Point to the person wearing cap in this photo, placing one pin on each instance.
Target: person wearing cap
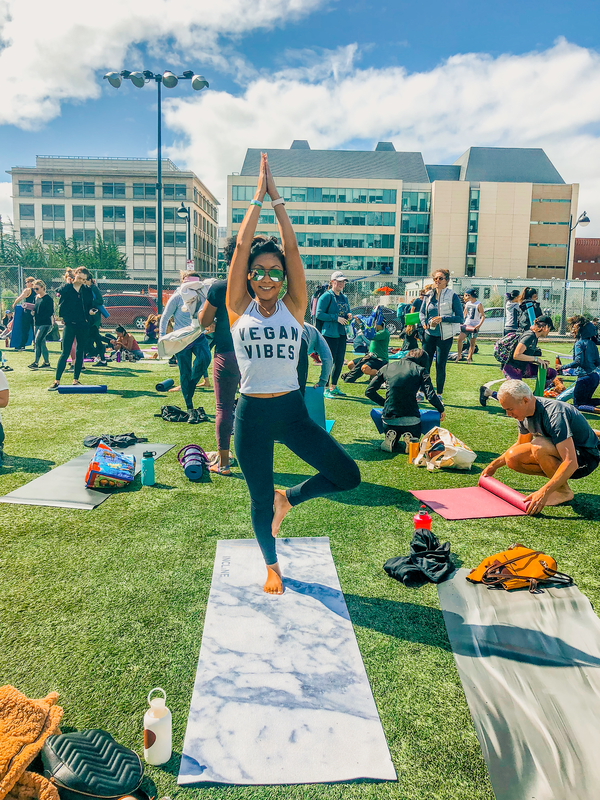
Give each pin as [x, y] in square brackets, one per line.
[333, 310]
[526, 358]
[474, 317]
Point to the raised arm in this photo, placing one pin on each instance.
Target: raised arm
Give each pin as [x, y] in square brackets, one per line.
[296, 297]
[237, 298]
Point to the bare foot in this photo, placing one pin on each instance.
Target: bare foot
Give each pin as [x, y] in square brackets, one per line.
[205, 384]
[175, 389]
[563, 496]
[282, 506]
[273, 584]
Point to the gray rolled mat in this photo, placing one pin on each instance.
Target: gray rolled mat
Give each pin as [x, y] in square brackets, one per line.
[530, 668]
[64, 486]
[281, 694]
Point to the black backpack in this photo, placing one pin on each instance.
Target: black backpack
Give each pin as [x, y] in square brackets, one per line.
[173, 414]
[113, 440]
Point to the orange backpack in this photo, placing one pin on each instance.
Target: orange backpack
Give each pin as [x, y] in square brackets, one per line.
[518, 567]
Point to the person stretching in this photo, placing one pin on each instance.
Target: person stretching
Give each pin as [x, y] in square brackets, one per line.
[555, 440]
[585, 363]
[376, 358]
[404, 378]
[267, 334]
[43, 317]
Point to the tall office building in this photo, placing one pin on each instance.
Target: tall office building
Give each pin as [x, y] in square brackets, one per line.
[71, 196]
[500, 212]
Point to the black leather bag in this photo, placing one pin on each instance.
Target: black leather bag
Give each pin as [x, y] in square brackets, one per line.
[91, 764]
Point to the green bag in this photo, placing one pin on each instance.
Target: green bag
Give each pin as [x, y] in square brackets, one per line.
[412, 319]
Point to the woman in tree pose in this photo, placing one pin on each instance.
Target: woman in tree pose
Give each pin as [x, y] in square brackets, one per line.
[267, 335]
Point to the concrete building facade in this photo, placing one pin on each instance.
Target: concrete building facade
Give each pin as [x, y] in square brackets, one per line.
[495, 212]
[586, 263]
[76, 197]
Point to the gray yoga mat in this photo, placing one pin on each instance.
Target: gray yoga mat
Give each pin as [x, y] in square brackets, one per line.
[530, 668]
[64, 486]
[281, 694]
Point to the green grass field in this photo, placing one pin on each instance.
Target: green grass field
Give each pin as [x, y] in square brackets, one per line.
[103, 605]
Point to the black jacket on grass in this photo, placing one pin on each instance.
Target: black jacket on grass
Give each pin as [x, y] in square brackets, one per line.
[404, 379]
[74, 306]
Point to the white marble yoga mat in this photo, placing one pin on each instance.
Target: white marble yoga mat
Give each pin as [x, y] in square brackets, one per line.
[281, 693]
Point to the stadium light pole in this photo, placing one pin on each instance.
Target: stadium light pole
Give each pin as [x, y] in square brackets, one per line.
[582, 220]
[169, 80]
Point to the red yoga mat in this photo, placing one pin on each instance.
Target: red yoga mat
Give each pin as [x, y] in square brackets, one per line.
[490, 498]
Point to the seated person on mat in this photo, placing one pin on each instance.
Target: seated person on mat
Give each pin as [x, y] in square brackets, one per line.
[3, 403]
[586, 361]
[126, 343]
[411, 338]
[313, 342]
[404, 379]
[525, 360]
[151, 329]
[555, 440]
[360, 343]
[376, 358]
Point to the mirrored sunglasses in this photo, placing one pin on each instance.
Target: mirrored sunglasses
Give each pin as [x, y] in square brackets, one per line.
[259, 273]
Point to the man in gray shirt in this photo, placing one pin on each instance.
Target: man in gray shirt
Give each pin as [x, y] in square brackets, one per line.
[555, 440]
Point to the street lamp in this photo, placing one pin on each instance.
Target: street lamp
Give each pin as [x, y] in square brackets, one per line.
[582, 220]
[169, 80]
[185, 213]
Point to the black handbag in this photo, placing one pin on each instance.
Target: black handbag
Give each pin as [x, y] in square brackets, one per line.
[91, 764]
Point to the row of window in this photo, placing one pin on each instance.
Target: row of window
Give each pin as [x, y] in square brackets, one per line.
[112, 214]
[414, 245]
[377, 263]
[412, 266]
[544, 244]
[359, 218]
[298, 194]
[118, 237]
[549, 200]
[416, 201]
[540, 222]
[369, 240]
[173, 191]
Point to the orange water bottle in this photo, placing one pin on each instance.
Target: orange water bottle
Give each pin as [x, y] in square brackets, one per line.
[422, 519]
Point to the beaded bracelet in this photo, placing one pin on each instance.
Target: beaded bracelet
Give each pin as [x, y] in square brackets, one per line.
[256, 203]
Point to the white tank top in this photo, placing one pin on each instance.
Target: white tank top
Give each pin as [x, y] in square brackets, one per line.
[267, 350]
[472, 315]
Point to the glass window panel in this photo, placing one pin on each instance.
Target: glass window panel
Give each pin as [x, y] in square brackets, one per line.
[341, 195]
[119, 189]
[89, 236]
[89, 189]
[108, 190]
[46, 188]
[78, 235]
[27, 234]
[138, 238]
[169, 214]
[138, 190]
[169, 190]
[120, 238]
[138, 214]
[77, 212]
[26, 188]
[108, 234]
[26, 211]
[169, 238]
[150, 238]
[180, 191]
[108, 213]
[474, 200]
[472, 244]
[77, 189]
[120, 213]
[180, 239]
[89, 213]
[47, 213]
[473, 221]
[58, 189]
[150, 214]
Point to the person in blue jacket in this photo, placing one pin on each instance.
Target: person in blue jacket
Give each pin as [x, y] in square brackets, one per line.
[585, 363]
[333, 309]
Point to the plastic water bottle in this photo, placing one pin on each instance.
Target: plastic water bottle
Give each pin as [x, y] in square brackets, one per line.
[422, 519]
[148, 478]
[157, 730]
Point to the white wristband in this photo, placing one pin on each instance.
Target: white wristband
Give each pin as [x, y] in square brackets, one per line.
[280, 201]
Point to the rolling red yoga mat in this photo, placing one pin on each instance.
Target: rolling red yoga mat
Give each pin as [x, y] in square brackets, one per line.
[490, 498]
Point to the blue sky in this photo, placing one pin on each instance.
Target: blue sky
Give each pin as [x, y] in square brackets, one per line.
[291, 51]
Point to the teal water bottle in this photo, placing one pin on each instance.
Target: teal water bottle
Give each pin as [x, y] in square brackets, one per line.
[148, 468]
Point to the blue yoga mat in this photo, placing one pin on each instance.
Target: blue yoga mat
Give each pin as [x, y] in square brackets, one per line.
[315, 405]
[82, 389]
[430, 418]
[15, 335]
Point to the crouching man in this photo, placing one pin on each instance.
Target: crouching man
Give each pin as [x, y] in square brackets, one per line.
[555, 440]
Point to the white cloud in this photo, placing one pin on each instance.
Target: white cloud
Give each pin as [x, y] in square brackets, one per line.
[50, 51]
[540, 99]
[6, 205]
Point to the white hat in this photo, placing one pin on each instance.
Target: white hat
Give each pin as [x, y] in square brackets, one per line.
[338, 276]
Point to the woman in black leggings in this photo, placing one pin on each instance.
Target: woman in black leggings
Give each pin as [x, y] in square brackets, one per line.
[267, 335]
[441, 316]
[333, 310]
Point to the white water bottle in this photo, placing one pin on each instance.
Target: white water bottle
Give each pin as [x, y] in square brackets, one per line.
[157, 730]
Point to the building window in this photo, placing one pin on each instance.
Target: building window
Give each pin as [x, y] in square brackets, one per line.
[26, 211]
[113, 190]
[26, 188]
[327, 262]
[113, 236]
[175, 239]
[175, 191]
[144, 238]
[416, 201]
[473, 221]
[113, 213]
[52, 235]
[84, 236]
[471, 244]
[414, 245]
[549, 200]
[27, 234]
[299, 194]
[83, 189]
[53, 213]
[53, 189]
[594, 295]
[474, 200]
[408, 266]
[144, 214]
[486, 292]
[414, 223]
[87, 213]
[169, 214]
[143, 191]
[470, 268]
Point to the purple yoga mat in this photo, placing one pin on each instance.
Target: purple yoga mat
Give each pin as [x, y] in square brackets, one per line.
[490, 498]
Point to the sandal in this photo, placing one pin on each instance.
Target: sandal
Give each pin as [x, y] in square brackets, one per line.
[77, 383]
[219, 470]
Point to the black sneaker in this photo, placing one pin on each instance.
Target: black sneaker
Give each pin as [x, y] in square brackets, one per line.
[32, 366]
[193, 417]
[202, 415]
[483, 396]
[47, 365]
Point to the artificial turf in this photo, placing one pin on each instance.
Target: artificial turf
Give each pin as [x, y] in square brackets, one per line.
[103, 605]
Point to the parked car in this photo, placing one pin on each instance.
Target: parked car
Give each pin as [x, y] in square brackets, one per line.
[494, 321]
[389, 316]
[128, 309]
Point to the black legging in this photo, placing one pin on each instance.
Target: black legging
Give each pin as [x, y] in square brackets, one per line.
[72, 331]
[259, 421]
[435, 344]
[337, 346]
[96, 341]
